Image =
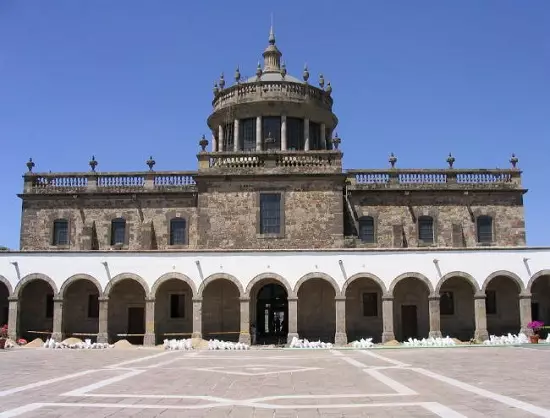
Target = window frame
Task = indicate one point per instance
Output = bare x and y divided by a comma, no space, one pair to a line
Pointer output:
55,232
479,233
120,221
422,241
360,235
259,229
179,219
375,313
247,134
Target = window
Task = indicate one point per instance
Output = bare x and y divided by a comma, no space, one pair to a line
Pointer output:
370,304
366,229
60,232
118,231
177,231
491,302
271,131
49,306
446,303
247,128
177,306
484,229
270,213
426,229
228,137
315,137
294,134
93,306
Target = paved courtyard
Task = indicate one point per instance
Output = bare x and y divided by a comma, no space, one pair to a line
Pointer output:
452,382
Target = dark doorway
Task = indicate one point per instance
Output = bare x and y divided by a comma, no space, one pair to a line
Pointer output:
272,315
136,324
409,321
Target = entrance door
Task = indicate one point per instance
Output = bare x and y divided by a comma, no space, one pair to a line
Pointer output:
136,324
409,321
271,315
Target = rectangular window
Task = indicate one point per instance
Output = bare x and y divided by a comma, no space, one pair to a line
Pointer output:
61,232
366,230
271,132
118,232
484,230
446,303
491,302
49,306
294,134
270,213
426,229
93,306
177,231
370,304
177,306
228,137
247,133
315,137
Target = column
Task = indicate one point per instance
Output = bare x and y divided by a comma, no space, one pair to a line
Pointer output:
214,143
324,136
244,335
525,313
13,317
306,134
103,329
292,318
258,133
220,138
387,318
149,338
236,135
283,133
480,333
340,338
435,316
197,318
57,334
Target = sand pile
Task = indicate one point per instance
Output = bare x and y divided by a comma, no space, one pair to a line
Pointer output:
199,344
72,340
392,343
123,344
37,342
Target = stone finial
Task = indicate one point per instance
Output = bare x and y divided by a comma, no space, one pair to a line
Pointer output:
450,160
336,141
237,75
93,163
30,165
216,89
283,70
203,143
321,81
305,74
514,160
259,71
392,160
151,163
221,83
329,88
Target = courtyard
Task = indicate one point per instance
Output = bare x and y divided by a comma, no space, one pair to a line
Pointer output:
451,382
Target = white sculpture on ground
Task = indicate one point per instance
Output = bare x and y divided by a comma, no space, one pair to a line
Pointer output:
297,343
225,345
85,345
430,342
520,338
185,344
363,343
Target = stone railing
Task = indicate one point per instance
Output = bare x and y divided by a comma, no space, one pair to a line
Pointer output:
434,178
149,181
270,162
272,90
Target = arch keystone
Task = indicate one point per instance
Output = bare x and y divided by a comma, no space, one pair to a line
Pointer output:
126,276
173,276
77,277
317,275
364,275
463,275
411,275
267,276
219,276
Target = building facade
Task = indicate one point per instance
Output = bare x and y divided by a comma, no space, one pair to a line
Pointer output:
271,185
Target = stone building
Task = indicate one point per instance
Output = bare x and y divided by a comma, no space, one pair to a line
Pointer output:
271,231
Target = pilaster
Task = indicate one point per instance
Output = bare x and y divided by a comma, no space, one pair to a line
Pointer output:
525,312
387,318
13,317
480,313
258,133
283,133
57,334
324,135
149,338
435,316
306,134
244,335
236,136
102,331
292,318
214,143
197,318
220,138
340,338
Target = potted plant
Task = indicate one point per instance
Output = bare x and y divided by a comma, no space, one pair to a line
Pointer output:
3,336
536,326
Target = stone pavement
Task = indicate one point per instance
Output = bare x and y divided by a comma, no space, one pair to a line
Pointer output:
445,382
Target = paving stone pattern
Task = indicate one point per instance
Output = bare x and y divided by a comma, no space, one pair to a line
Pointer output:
451,382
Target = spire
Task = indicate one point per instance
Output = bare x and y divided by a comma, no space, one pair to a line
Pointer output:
272,55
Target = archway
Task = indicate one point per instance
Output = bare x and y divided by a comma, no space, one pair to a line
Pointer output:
81,309
126,310
317,310
502,305
4,304
36,309
411,309
364,309
221,312
457,308
173,310
269,313
540,299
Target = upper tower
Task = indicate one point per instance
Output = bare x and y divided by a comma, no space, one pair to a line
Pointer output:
272,111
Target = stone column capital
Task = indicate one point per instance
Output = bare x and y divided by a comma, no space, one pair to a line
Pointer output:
340,298
292,299
525,295
244,299
58,299
480,295
103,299
387,296
13,299
196,299
149,300
434,297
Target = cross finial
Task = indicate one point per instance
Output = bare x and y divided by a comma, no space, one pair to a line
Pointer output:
271,32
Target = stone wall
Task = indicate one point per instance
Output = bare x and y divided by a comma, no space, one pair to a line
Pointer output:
357,324
75,309
461,324
125,295
506,319
4,304
32,310
164,323
396,213
316,311
221,311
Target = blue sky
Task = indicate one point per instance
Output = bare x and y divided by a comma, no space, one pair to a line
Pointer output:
127,79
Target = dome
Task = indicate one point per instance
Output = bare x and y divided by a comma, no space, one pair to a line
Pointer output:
273,76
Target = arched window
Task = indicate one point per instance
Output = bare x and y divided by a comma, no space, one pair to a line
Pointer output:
178,231
60,232
366,229
484,229
426,229
118,231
